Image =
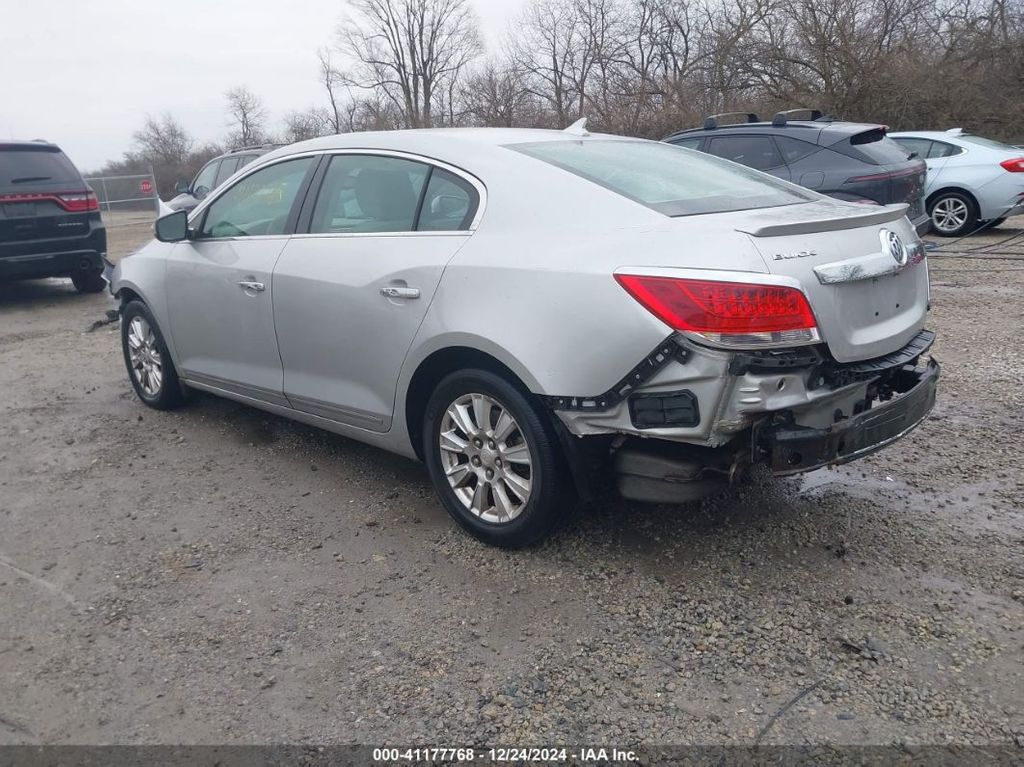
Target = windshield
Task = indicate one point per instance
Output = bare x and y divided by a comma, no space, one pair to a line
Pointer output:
669,179
987,142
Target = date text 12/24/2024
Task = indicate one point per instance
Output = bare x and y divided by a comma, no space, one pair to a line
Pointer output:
505,754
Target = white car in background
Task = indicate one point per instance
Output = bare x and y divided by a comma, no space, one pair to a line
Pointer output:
972,181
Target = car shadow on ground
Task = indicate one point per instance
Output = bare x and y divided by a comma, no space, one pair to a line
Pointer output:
28,293
820,506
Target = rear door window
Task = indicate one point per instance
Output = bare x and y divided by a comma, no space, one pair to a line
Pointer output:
227,167
368,194
449,203
942,149
920,146
23,167
693,142
758,152
793,149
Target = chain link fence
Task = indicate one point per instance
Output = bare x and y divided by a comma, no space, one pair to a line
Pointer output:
126,200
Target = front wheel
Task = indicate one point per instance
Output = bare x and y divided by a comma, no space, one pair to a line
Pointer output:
149,364
494,459
953,214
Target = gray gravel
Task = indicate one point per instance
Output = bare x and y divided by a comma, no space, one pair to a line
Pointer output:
219,575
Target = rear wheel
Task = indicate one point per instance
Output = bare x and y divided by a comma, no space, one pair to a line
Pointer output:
145,355
953,214
494,460
88,282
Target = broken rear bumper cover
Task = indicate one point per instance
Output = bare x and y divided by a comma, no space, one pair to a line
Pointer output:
791,449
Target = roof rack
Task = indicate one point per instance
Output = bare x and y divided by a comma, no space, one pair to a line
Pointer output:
781,118
251,148
710,123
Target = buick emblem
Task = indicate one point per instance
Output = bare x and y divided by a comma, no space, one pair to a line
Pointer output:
893,245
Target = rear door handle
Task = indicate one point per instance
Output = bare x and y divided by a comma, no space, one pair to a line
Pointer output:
394,292
258,287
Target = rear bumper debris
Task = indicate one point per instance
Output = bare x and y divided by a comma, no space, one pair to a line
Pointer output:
791,449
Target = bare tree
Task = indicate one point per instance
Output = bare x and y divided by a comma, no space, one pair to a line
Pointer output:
163,140
247,117
311,123
496,95
409,51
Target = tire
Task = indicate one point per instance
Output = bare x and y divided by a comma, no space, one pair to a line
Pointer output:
953,214
147,360
89,282
525,454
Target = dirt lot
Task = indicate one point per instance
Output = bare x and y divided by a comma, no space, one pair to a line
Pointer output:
219,575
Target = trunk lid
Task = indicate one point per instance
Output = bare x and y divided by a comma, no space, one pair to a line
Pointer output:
35,179
868,297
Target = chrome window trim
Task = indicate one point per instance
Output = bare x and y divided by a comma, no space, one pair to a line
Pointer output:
256,165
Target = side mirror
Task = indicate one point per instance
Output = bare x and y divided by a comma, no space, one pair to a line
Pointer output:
200,192
181,187
172,227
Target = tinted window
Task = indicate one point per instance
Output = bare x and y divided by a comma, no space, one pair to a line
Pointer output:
21,166
449,204
227,167
919,146
367,193
753,151
689,143
875,148
942,149
257,204
205,179
793,149
245,159
663,178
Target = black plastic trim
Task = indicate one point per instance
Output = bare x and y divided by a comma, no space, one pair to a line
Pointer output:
651,364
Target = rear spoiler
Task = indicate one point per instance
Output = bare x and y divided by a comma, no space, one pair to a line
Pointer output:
871,216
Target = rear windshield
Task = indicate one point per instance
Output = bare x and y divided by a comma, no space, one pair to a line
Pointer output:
21,167
987,142
874,147
666,178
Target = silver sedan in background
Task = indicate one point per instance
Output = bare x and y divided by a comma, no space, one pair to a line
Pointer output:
529,312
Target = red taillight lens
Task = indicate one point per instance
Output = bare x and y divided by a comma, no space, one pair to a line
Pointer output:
730,313
72,202
78,203
1016,165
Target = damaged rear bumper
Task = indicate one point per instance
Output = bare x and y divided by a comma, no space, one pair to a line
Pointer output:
791,449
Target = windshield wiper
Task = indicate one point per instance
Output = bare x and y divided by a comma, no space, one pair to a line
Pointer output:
24,179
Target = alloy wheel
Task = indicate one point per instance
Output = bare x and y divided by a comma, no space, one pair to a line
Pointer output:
950,214
146,362
486,458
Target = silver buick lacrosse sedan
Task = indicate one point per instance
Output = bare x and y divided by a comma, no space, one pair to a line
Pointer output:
534,313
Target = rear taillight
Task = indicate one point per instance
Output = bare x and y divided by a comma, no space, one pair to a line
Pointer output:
734,314
78,203
72,202
1016,165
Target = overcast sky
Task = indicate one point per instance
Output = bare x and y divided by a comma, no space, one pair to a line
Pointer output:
85,74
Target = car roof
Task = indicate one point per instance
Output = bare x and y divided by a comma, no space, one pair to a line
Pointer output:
818,131
33,144
449,144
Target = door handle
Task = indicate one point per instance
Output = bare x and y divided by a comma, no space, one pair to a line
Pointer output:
393,292
258,287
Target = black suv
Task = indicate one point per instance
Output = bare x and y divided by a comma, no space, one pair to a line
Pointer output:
850,161
50,222
215,173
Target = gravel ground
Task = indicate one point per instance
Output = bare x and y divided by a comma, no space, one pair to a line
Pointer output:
219,575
